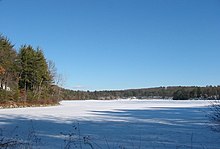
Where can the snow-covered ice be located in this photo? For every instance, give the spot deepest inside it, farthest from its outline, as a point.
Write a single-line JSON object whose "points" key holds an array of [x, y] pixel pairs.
{"points": [[131, 124]]}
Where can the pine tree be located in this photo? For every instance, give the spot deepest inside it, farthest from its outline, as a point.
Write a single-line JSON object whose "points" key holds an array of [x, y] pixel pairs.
{"points": [[8, 63], [35, 74], [26, 56]]}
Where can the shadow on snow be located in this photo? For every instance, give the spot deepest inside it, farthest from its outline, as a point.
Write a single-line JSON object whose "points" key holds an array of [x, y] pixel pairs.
{"points": [[144, 128]]}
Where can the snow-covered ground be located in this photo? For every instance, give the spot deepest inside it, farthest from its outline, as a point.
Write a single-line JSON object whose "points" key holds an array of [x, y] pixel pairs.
{"points": [[132, 124]]}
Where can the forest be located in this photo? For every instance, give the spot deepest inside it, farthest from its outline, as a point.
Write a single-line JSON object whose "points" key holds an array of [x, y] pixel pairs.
{"points": [[172, 92], [26, 76]]}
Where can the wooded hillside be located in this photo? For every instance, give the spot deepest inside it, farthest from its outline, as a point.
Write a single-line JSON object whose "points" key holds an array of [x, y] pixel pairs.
{"points": [[175, 92]]}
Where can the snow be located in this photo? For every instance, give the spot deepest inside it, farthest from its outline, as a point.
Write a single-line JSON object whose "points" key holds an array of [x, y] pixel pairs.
{"points": [[131, 124]]}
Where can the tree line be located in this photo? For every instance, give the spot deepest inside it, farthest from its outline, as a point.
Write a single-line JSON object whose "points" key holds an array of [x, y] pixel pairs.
{"points": [[26, 76], [172, 92]]}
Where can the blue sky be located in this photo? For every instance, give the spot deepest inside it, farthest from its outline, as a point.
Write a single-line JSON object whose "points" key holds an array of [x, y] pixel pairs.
{"points": [[121, 44]]}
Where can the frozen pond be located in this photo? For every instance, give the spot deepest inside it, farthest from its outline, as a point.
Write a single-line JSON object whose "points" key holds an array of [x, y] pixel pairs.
{"points": [[130, 124]]}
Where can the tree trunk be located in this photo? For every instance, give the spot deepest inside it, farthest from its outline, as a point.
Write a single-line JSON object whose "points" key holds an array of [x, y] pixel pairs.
{"points": [[1, 83], [39, 89], [25, 88]]}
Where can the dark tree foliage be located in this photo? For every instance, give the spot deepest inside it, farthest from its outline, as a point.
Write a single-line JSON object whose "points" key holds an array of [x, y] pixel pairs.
{"points": [[8, 68], [27, 59], [181, 95]]}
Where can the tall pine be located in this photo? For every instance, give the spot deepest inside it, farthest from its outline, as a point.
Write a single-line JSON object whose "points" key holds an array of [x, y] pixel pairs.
{"points": [[8, 66], [35, 77]]}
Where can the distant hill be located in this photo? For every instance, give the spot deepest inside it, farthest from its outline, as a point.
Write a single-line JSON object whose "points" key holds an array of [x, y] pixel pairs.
{"points": [[171, 92]]}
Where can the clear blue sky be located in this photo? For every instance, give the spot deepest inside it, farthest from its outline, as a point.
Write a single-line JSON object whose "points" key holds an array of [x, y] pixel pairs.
{"points": [[120, 44]]}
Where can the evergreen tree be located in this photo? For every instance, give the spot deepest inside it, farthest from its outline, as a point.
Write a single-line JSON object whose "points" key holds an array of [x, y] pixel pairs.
{"points": [[26, 82], [180, 95], [35, 75], [8, 63]]}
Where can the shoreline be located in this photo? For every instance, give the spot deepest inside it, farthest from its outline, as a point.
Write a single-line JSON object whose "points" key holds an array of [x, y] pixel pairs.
{"points": [[14, 105]]}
